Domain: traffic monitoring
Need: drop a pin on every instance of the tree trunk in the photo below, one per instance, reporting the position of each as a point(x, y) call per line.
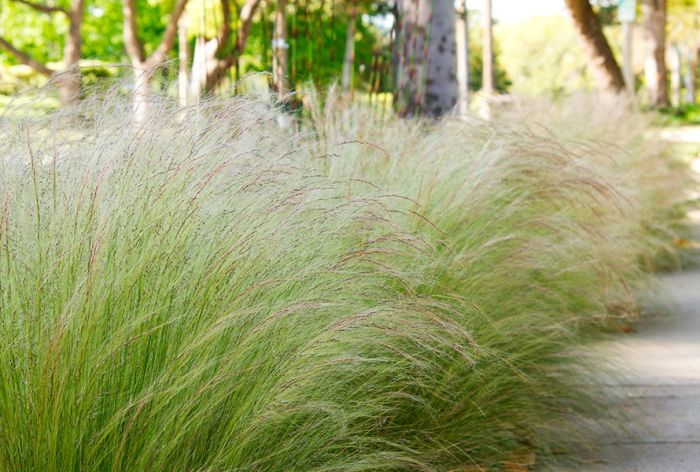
point(142, 93)
point(488, 78)
point(675, 75)
point(627, 55)
point(183, 56)
point(349, 58)
point(198, 77)
point(654, 12)
point(280, 66)
point(70, 79)
point(462, 43)
point(441, 78)
point(426, 76)
point(412, 31)
point(605, 67)
point(145, 67)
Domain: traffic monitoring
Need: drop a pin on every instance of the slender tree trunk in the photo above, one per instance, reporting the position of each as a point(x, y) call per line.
point(676, 78)
point(488, 78)
point(691, 81)
point(627, 55)
point(198, 77)
point(280, 69)
point(462, 42)
point(349, 58)
point(395, 47)
point(605, 68)
point(183, 55)
point(654, 12)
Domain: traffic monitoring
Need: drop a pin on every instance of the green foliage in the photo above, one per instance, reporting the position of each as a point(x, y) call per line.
point(39, 34)
point(687, 114)
point(550, 62)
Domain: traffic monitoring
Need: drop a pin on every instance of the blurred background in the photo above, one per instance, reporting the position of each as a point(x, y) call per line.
point(377, 51)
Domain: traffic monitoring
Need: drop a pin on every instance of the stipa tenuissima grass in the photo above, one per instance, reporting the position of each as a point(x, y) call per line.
point(207, 291)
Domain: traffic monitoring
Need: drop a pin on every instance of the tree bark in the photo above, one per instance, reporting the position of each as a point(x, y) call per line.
point(488, 78)
point(280, 47)
point(441, 78)
point(426, 76)
point(349, 58)
point(654, 13)
point(605, 68)
point(412, 39)
point(462, 43)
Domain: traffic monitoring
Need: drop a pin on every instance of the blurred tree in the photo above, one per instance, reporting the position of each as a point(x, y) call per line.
point(146, 65)
point(349, 57)
point(683, 33)
point(551, 62)
point(462, 44)
point(69, 77)
point(488, 80)
point(654, 13)
point(280, 52)
point(502, 81)
point(605, 67)
point(215, 55)
point(426, 70)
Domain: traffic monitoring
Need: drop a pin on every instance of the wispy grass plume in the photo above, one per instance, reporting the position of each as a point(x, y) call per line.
point(207, 291)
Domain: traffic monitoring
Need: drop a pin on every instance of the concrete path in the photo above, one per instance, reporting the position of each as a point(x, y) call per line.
point(680, 134)
point(658, 390)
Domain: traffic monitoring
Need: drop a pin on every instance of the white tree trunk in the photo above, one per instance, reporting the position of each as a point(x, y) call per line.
point(462, 43)
point(198, 77)
point(142, 93)
point(183, 77)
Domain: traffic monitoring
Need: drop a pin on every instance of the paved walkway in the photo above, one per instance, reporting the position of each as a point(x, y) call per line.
point(680, 134)
point(659, 391)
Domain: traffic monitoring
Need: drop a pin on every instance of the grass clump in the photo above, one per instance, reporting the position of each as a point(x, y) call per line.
point(206, 291)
